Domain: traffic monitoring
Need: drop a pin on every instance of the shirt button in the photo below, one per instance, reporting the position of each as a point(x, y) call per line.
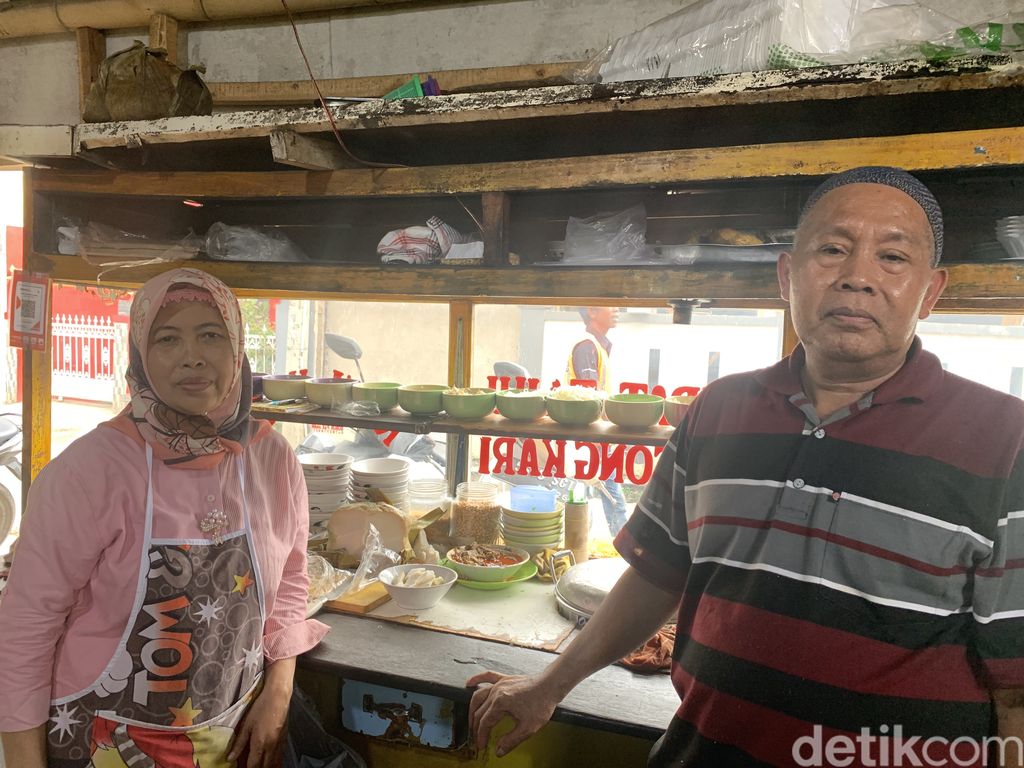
point(819, 433)
point(798, 483)
point(210, 497)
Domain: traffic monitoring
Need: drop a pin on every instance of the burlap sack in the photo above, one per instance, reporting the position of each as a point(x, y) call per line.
point(140, 84)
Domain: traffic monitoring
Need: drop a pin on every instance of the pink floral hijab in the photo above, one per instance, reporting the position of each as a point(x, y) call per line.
point(177, 437)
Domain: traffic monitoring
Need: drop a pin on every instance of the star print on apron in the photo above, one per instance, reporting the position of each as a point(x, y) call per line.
point(188, 665)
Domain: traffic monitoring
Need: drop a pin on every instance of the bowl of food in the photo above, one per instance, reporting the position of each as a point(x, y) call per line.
point(468, 402)
point(328, 392)
point(520, 404)
point(636, 410)
point(284, 386)
point(486, 562)
point(574, 406)
point(676, 407)
point(327, 463)
point(383, 393)
point(416, 587)
point(421, 399)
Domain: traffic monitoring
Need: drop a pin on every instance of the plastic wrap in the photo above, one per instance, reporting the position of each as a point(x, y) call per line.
point(608, 238)
point(711, 37)
point(309, 745)
point(111, 248)
point(234, 243)
point(376, 557)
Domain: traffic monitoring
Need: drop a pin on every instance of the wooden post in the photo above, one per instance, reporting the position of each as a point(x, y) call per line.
point(497, 212)
point(789, 337)
point(92, 49)
point(460, 366)
point(35, 376)
point(163, 35)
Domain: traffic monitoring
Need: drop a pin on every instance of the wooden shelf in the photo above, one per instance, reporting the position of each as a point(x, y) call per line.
point(495, 425)
point(979, 285)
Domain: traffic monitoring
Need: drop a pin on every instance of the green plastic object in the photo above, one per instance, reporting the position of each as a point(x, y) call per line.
point(410, 90)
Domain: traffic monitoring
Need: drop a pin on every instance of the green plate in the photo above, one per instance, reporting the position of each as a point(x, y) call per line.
point(526, 571)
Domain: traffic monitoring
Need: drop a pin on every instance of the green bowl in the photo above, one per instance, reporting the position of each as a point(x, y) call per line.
point(520, 408)
point(421, 399)
point(634, 410)
point(474, 406)
point(384, 393)
point(575, 413)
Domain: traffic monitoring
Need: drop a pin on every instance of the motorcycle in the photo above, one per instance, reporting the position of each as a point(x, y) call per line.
point(10, 459)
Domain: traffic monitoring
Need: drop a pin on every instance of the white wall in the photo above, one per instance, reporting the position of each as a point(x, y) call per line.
point(38, 77)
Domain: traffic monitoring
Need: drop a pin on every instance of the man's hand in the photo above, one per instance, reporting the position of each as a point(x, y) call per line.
point(264, 727)
point(527, 700)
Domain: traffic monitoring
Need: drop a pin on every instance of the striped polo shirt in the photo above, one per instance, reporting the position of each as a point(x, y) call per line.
point(862, 572)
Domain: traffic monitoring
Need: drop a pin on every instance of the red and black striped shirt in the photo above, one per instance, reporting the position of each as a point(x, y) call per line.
point(856, 573)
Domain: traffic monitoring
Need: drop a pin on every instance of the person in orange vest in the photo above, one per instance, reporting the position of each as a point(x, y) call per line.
point(589, 361)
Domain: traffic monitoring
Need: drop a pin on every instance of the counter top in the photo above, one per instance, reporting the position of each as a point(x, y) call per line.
point(436, 663)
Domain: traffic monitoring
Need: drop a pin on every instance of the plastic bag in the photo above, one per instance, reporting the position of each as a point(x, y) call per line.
point(609, 238)
point(140, 84)
point(357, 408)
point(376, 557)
point(309, 745)
point(234, 243)
point(711, 37)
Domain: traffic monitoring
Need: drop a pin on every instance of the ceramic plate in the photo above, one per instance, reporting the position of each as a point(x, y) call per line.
point(526, 571)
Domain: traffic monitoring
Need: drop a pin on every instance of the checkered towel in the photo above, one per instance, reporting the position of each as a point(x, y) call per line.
point(420, 245)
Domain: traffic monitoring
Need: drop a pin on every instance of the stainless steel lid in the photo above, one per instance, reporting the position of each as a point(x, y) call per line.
point(584, 586)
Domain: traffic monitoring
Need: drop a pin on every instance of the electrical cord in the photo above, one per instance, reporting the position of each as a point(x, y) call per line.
point(334, 125)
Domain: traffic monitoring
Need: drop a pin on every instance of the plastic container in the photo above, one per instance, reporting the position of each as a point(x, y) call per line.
point(426, 496)
point(475, 515)
point(532, 498)
point(577, 529)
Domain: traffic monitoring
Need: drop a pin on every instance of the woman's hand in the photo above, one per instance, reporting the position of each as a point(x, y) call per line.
point(264, 727)
point(527, 700)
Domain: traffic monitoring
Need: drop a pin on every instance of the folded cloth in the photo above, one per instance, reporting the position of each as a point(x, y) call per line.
point(653, 656)
point(420, 245)
point(412, 245)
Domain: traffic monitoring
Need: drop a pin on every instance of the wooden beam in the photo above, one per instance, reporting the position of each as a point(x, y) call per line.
point(92, 49)
point(497, 210)
point(1000, 284)
point(309, 152)
point(773, 86)
point(163, 35)
point(460, 343)
point(283, 93)
point(988, 148)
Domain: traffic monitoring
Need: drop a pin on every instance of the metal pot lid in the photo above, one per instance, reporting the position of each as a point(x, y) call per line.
point(584, 586)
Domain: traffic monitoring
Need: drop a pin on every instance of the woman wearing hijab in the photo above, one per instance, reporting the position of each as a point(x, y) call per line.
point(157, 600)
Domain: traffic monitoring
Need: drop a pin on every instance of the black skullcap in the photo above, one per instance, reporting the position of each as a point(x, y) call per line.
point(896, 178)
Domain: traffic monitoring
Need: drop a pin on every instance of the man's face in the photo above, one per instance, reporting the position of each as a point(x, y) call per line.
point(603, 318)
point(860, 275)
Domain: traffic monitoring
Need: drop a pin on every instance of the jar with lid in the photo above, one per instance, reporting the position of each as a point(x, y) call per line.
point(476, 515)
point(426, 496)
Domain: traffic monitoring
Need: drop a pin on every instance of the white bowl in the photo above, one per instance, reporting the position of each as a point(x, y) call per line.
point(324, 462)
point(417, 598)
point(376, 467)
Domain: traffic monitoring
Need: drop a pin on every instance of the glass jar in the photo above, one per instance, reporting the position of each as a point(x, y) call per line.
point(426, 496)
point(476, 515)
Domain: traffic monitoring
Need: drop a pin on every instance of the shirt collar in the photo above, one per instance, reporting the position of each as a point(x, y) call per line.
point(916, 379)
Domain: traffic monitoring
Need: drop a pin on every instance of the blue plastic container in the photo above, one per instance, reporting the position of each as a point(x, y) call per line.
point(532, 498)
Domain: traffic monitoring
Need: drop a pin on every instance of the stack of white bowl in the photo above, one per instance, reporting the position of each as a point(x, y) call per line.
point(390, 476)
point(533, 531)
point(328, 478)
point(534, 520)
point(1010, 234)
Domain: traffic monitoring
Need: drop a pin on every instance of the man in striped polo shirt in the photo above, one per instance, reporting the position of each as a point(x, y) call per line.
point(841, 535)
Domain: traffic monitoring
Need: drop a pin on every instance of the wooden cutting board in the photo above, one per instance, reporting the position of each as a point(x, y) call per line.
point(363, 601)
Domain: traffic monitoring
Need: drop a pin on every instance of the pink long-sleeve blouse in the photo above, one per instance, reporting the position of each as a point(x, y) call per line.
point(75, 572)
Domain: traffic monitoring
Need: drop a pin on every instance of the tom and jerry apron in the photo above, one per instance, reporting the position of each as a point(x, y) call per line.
point(187, 666)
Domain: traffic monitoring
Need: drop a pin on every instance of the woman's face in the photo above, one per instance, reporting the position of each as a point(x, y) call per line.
point(190, 358)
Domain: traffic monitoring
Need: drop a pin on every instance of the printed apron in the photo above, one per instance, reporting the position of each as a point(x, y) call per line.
point(189, 663)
